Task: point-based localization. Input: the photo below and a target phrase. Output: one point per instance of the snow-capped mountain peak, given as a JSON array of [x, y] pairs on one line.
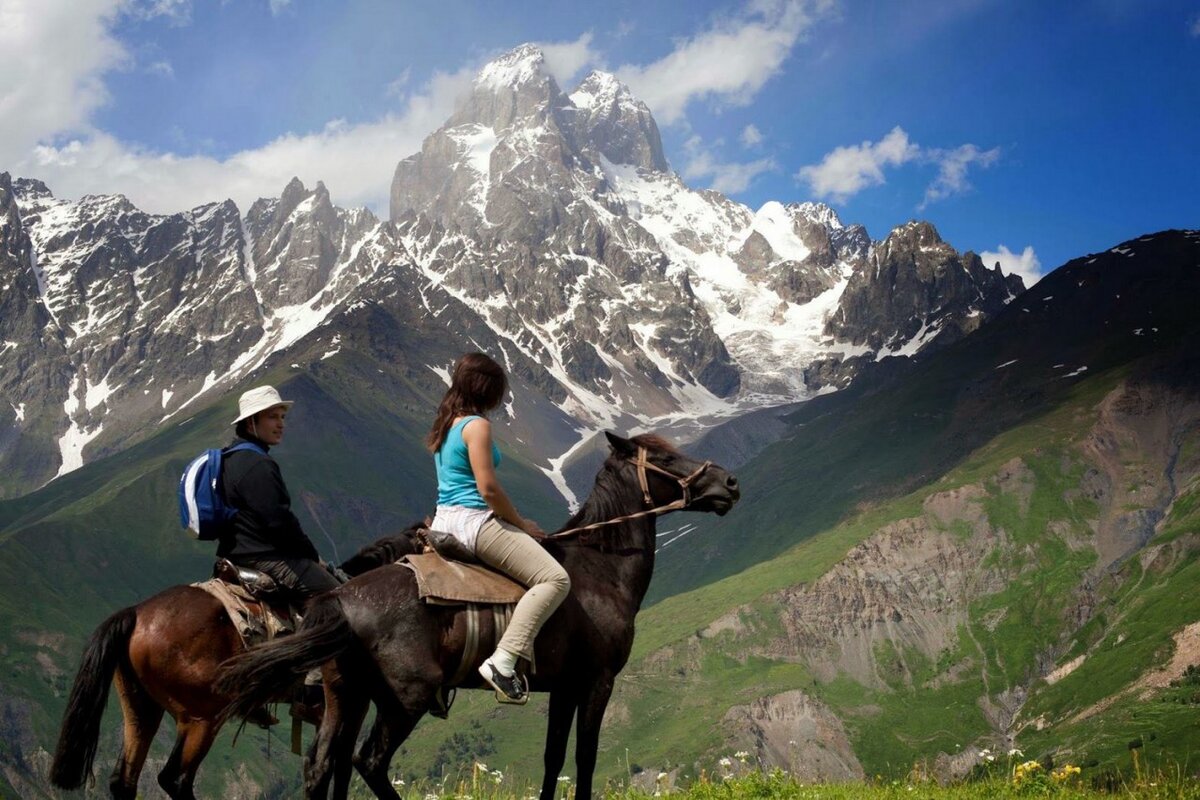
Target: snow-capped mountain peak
[[514, 69]]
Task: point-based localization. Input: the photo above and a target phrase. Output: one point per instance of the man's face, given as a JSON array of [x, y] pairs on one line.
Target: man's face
[[268, 425]]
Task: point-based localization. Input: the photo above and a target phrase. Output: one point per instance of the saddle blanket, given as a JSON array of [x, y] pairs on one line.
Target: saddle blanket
[[252, 626], [452, 582]]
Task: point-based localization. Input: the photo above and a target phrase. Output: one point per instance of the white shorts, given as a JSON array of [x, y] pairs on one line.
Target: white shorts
[[462, 523]]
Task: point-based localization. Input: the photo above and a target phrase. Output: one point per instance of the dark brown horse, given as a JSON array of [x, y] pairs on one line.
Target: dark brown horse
[[163, 655], [379, 643]]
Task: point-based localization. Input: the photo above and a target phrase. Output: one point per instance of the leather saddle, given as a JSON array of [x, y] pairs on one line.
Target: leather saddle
[[448, 573], [258, 585]]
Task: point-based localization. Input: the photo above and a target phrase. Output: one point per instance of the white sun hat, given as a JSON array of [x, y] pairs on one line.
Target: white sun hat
[[258, 399]]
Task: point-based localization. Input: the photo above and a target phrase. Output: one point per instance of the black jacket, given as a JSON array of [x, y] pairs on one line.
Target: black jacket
[[264, 525]]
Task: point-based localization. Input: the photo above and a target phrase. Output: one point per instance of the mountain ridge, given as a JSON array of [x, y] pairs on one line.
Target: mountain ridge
[[621, 297]]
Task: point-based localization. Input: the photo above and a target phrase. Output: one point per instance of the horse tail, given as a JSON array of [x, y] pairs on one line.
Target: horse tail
[[269, 671], [80, 731]]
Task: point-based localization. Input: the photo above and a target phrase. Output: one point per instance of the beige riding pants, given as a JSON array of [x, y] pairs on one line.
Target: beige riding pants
[[510, 550]]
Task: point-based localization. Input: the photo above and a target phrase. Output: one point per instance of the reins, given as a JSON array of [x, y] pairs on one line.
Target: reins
[[644, 464]]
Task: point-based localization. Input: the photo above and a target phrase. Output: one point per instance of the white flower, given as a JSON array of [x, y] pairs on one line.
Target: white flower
[[741, 755], [990, 758], [1015, 753], [482, 767], [397, 781], [564, 779], [726, 762], [431, 796]]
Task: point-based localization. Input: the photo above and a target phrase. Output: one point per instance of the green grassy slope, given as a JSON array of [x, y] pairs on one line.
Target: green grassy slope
[[672, 699]]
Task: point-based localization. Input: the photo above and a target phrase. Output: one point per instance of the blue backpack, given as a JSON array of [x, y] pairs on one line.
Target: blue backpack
[[201, 509]]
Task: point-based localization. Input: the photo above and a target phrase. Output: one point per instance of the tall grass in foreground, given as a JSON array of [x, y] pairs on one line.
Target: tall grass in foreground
[[1023, 780]]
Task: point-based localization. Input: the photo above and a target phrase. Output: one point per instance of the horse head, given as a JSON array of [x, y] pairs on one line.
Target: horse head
[[670, 479]]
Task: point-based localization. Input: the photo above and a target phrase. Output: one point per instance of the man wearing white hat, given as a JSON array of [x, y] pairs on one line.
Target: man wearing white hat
[[264, 534]]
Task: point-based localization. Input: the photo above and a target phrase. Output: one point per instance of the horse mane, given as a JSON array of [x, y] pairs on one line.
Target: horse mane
[[652, 441], [383, 551], [611, 494]]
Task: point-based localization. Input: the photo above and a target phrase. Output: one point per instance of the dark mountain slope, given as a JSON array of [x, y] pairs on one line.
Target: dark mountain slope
[[909, 422]]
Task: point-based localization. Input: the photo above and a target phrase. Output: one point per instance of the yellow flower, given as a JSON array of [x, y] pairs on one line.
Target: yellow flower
[[1024, 770]]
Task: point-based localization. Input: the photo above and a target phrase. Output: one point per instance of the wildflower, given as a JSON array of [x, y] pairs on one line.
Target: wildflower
[[662, 776], [1064, 773], [482, 767], [397, 781], [741, 755], [564, 778], [1015, 753], [1025, 770], [726, 762], [430, 796]]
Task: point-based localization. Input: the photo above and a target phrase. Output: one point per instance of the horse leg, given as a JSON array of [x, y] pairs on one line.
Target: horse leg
[[333, 747], [587, 734], [192, 741], [558, 729], [142, 717], [392, 726]]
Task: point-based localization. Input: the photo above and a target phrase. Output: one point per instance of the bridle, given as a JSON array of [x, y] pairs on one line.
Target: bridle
[[643, 463]]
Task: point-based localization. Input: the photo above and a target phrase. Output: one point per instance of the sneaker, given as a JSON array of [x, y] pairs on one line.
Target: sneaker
[[509, 688]]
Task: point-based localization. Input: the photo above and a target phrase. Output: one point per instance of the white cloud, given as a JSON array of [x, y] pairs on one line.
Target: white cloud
[[1025, 264], [952, 170], [355, 161], [177, 12], [399, 86], [55, 52], [277, 6], [565, 60], [161, 68], [726, 177], [1195, 28], [845, 171], [751, 136], [729, 63]]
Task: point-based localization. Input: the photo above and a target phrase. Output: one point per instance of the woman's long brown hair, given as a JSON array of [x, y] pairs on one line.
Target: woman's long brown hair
[[476, 387]]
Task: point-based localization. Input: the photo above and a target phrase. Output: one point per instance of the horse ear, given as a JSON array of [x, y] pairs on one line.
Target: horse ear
[[620, 446]]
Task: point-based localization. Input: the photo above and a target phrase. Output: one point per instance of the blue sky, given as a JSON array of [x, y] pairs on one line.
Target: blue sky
[[1044, 130]]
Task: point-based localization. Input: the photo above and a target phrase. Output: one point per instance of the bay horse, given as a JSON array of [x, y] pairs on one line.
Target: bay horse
[[380, 643], [163, 654]]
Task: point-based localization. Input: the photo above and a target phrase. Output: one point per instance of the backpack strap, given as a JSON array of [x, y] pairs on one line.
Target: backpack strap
[[244, 446]]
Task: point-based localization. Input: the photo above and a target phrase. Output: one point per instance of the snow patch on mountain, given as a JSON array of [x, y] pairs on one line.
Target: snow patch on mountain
[[71, 443], [771, 338], [778, 228]]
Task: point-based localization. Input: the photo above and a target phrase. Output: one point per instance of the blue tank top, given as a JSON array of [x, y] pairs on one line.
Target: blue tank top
[[456, 480]]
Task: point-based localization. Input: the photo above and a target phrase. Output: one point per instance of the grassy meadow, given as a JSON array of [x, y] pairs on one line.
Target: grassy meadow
[[1011, 778]]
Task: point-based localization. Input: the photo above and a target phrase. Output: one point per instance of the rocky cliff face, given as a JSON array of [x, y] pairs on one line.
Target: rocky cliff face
[[1033, 551]]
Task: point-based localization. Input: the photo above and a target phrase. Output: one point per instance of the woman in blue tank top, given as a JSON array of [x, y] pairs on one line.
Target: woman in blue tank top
[[475, 509]]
